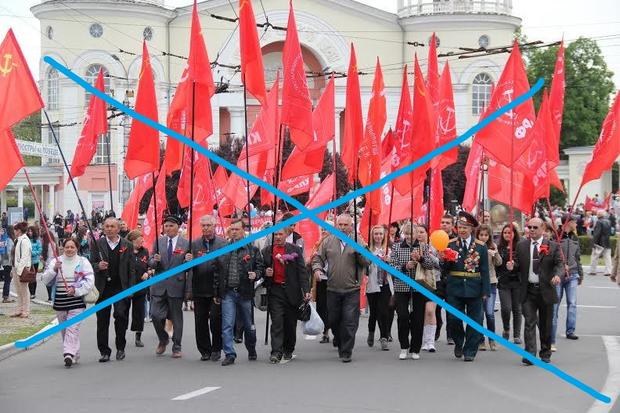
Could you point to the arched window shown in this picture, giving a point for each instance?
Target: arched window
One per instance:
(53, 89)
(480, 93)
(91, 77)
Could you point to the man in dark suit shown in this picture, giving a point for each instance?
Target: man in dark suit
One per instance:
(167, 295)
(467, 284)
(234, 288)
(287, 284)
(540, 267)
(203, 290)
(113, 265)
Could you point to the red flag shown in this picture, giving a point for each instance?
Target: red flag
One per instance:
(19, 96)
(400, 205)
(432, 73)
(445, 127)
(320, 195)
(132, 206)
(236, 187)
(310, 160)
(297, 185)
(204, 193)
(224, 206)
(150, 230)
(554, 180)
(353, 122)
(507, 137)
(472, 176)
(95, 124)
(500, 187)
(607, 147)
(436, 200)
(387, 144)
(199, 67)
(404, 121)
(12, 161)
(556, 106)
(296, 103)
(252, 71)
(422, 136)
(143, 148)
(370, 150)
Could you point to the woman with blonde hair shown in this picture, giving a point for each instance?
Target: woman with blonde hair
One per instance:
(379, 288)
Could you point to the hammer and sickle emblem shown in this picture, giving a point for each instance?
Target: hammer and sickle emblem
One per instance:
(8, 65)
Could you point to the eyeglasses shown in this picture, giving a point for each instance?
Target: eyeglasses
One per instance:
(532, 227)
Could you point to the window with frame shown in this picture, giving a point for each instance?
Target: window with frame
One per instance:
(53, 88)
(51, 141)
(480, 93)
(103, 144)
(91, 77)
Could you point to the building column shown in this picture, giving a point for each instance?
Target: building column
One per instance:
(20, 196)
(337, 129)
(237, 118)
(3, 200)
(50, 201)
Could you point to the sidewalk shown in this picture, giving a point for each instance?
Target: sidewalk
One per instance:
(12, 329)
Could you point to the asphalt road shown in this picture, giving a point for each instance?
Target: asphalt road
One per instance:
(315, 381)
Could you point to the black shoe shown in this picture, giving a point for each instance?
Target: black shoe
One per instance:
(390, 339)
(120, 354)
(458, 352)
(104, 358)
(252, 355)
(228, 361)
(139, 343)
(238, 340)
(216, 356)
(468, 358)
(324, 339)
(205, 357)
(288, 356)
(450, 341)
(517, 340)
(546, 359)
(572, 336)
(68, 360)
(346, 359)
(274, 359)
(526, 362)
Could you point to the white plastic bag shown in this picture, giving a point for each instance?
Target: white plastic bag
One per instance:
(315, 325)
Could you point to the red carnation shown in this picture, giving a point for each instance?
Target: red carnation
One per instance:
(543, 249)
(247, 258)
(450, 255)
(178, 251)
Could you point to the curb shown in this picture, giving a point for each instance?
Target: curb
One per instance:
(34, 300)
(9, 349)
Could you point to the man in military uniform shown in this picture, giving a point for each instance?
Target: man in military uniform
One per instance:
(468, 284)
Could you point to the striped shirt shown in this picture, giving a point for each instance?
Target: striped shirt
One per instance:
(73, 270)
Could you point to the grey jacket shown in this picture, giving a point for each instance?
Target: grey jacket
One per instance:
(572, 255)
(342, 276)
(179, 284)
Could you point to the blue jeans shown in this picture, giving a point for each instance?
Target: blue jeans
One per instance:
(570, 286)
(232, 302)
(489, 309)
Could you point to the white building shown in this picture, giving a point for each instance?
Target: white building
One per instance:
(85, 35)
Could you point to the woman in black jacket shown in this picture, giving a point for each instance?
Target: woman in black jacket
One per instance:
(508, 284)
(143, 272)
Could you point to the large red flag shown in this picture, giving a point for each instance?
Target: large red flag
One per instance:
(12, 161)
(152, 224)
(143, 148)
(472, 176)
(556, 106)
(297, 185)
(607, 147)
(236, 187)
(310, 160)
(296, 103)
(402, 131)
(507, 137)
(252, 71)
(132, 206)
(353, 122)
(204, 193)
(445, 127)
(512, 189)
(399, 205)
(387, 145)
(95, 124)
(321, 194)
(432, 73)
(19, 96)
(370, 150)
(422, 136)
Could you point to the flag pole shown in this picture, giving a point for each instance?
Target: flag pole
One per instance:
(247, 151)
(109, 147)
(217, 198)
(191, 164)
(512, 168)
(334, 170)
(77, 194)
(155, 208)
(355, 216)
(390, 217)
(428, 199)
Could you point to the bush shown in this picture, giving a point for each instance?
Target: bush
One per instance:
(585, 243)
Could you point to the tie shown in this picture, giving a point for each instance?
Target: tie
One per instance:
(464, 244)
(169, 249)
(535, 259)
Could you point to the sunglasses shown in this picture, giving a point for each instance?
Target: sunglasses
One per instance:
(532, 227)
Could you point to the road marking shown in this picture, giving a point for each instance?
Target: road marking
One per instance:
(598, 306)
(604, 288)
(196, 393)
(612, 384)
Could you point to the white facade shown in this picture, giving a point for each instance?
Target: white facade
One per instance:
(82, 33)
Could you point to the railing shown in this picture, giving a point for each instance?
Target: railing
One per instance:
(427, 7)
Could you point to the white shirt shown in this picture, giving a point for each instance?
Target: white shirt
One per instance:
(467, 242)
(112, 244)
(533, 278)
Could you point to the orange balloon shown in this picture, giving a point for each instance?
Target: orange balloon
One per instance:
(440, 240)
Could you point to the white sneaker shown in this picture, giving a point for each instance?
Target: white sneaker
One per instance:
(553, 348)
(424, 347)
(402, 355)
(415, 356)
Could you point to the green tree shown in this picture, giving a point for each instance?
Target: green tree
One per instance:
(29, 129)
(588, 89)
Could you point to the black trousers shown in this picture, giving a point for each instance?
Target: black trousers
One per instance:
(510, 303)
(283, 322)
(121, 321)
(344, 318)
(208, 325)
(321, 303)
(537, 313)
(403, 321)
(378, 304)
(33, 285)
(418, 304)
(164, 307)
(137, 312)
(439, 323)
(468, 339)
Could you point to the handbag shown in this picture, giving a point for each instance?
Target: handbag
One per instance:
(425, 278)
(92, 296)
(29, 274)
